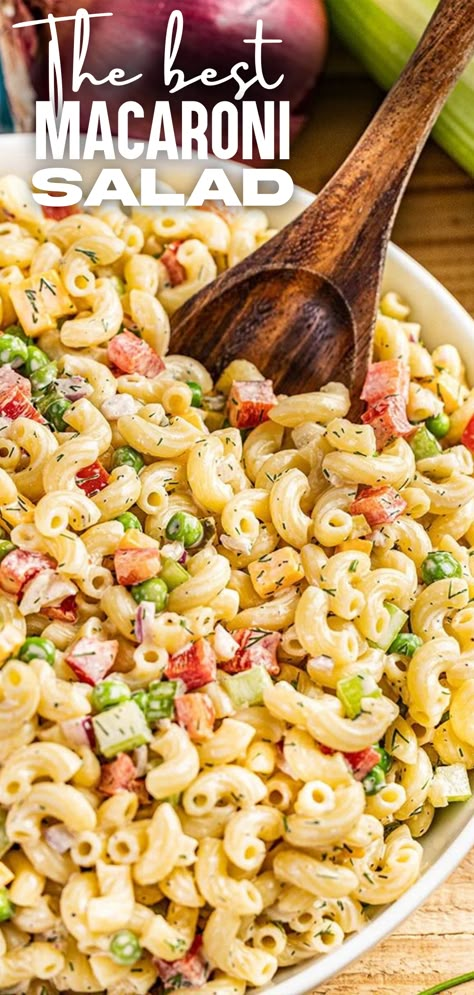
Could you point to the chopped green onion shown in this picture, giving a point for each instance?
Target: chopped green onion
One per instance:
(5, 547)
(108, 693)
(383, 34)
(406, 643)
(6, 907)
(424, 444)
(173, 573)
(160, 704)
(196, 391)
(248, 687)
(351, 691)
(125, 948)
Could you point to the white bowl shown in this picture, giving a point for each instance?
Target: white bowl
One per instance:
(443, 320)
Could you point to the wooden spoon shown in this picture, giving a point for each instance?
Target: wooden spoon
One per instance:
(303, 306)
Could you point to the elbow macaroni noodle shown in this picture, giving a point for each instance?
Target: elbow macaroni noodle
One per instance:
(256, 842)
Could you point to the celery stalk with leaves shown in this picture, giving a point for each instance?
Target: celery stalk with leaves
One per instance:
(383, 34)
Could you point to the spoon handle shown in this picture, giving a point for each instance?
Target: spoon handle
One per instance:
(344, 234)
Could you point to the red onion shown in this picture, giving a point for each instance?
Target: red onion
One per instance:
(73, 388)
(133, 40)
(78, 732)
(144, 621)
(59, 837)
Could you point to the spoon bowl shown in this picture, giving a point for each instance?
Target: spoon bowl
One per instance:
(303, 307)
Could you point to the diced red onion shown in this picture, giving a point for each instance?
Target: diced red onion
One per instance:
(73, 388)
(175, 551)
(140, 759)
(120, 404)
(144, 619)
(59, 837)
(78, 732)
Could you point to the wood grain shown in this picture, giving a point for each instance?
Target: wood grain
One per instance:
(436, 226)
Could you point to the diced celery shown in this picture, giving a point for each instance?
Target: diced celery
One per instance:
(383, 34)
(247, 688)
(351, 691)
(121, 729)
(449, 784)
(4, 841)
(173, 573)
(424, 444)
(397, 620)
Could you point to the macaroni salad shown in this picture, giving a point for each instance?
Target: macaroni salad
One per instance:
(237, 630)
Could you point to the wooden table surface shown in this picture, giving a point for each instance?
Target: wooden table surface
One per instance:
(436, 226)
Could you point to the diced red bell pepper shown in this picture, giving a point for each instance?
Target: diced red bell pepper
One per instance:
(59, 212)
(91, 659)
(195, 665)
(191, 970)
(133, 566)
(133, 355)
(121, 775)
(176, 271)
(389, 420)
(257, 648)
(20, 566)
(250, 402)
(362, 762)
(196, 714)
(10, 377)
(467, 437)
(92, 479)
(66, 611)
(384, 379)
(378, 505)
(14, 403)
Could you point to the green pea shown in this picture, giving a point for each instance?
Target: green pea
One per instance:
(196, 391)
(154, 590)
(125, 948)
(49, 393)
(438, 566)
(127, 456)
(55, 414)
(106, 694)
(37, 648)
(405, 643)
(5, 547)
(439, 425)
(129, 521)
(184, 528)
(140, 698)
(35, 359)
(18, 332)
(43, 377)
(12, 350)
(6, 907)
(374, 781)
(385, 761)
